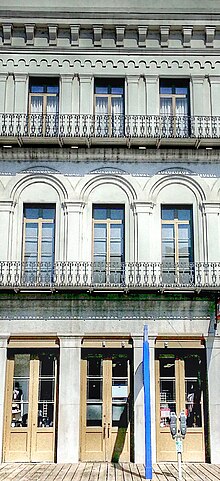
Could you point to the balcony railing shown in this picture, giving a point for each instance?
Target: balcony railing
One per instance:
(131, 127)
(89, 275)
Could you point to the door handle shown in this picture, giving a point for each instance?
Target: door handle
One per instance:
(108, 430)
(104, 431)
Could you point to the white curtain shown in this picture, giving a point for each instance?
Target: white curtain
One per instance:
(36, 105)
(117, 117)
(181, 107)
(52, 105)
(101, 106)
(165, 106)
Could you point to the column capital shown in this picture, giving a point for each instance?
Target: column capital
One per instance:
(142, 207)
(4, 341)
(214, 79)
(68, 342)
(20, 77)
(132, 79)
(66, 78)
(151, 79)
(197, 79)
(3, 77)
(211, 208)
(7, 205)
(85, 78)
(74, 207)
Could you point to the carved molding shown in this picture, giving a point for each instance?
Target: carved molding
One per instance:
(210, 34)
(97, 36)
(74, 35)
(52, 31)
(164, 35)
(7, 33)
(142, 36)
(143, 63)
(120, 33)
(187, 36)
(29, 30)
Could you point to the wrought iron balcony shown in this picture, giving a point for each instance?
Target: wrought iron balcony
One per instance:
(126, 276)
(133, 129)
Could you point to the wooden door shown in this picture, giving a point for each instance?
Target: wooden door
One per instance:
(30, 406)
(180, 387)
(105, 406)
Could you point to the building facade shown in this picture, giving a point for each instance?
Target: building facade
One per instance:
(110, 221)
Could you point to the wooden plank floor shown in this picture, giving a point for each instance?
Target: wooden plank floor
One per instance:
(106, 472)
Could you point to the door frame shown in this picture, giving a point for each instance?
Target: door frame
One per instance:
(32, 430)
(106, 430)
(200, 434)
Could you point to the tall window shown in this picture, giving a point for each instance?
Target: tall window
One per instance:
(38, 242)
(177, 243)
(43, 106)
(108, 243)
(174, 106)
(109, 107)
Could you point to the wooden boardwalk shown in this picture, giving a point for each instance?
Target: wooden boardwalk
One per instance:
(105, 472)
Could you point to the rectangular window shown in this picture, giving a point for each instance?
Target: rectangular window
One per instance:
(177, 244)
(43, 106)
(38, 243)
(174, 107)
(108, 244)
(109, 107)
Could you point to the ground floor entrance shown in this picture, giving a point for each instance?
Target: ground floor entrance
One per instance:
(181, 386)
(30, 405)
(106, 404)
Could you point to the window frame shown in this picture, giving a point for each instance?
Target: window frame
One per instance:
(176, 222)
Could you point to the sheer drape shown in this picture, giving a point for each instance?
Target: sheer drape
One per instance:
(175, 121)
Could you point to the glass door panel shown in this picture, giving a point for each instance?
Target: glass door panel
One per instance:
(105, 406)
(180, 387)
(30, 407)
(20, 394)
(94, 391)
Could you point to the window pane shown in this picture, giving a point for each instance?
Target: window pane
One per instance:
(167, 213)
(184, 214)
(101, 90)
(100, 213)
(20, 394)
(117, 213)
(31, 212)
(37, 88)
(94, 415)
(101, 106)
(52, 89)
(181, 90)
(166, 90)
(117, 90)
(36, 104)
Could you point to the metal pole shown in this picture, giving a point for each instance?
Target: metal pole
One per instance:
(147, 409)
(179, 466)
